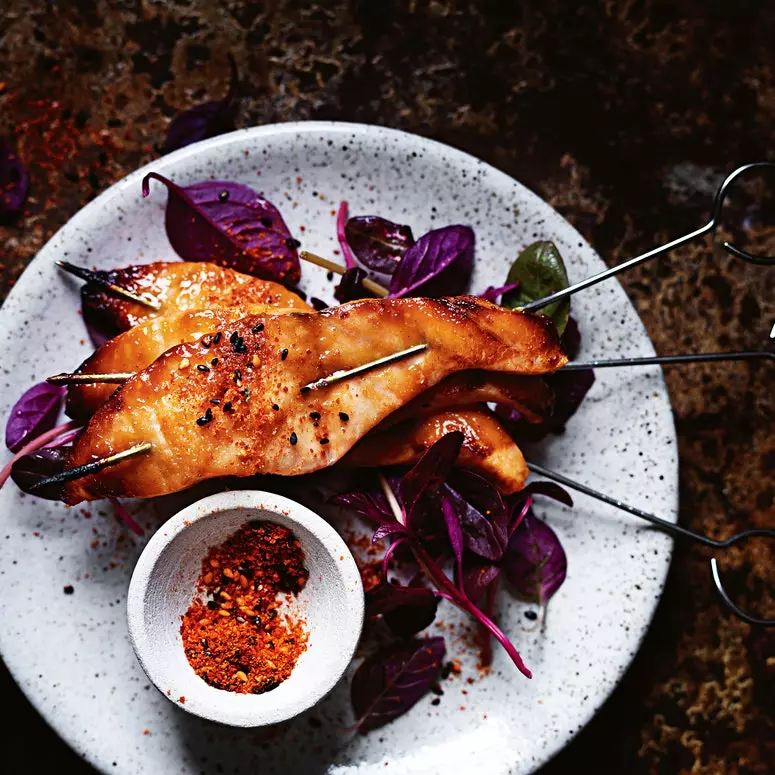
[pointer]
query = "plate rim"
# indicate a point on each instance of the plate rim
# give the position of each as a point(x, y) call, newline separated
point(300, 128)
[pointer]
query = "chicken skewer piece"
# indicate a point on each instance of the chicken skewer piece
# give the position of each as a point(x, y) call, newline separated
point(178, 286)
point(247, 415)
point(141, 345)
point(487, 448)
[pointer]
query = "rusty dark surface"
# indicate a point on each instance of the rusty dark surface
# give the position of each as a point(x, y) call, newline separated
point(623, 115)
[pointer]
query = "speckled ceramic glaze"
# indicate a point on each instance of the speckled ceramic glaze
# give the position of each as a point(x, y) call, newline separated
point(71, 653)
point(164, 581)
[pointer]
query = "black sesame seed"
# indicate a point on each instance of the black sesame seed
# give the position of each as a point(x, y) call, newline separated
point(237, 375)
point(329, 276)
point(315, 415)
point(223, 196)
point(324, 440)
point(305, 389)
point(205, 418)
point(292, 243)
point(68, 590)
point(435, 701)
point(343, 416)
point(234, 337)
point(240, 346)
point(532, 615)
point(215, 401)
point(293, 439)
point(212, 605)
point(227, 406)
point(275, 407)
point(284, 354)
point(206, 341)
point(202, 367)
point(256, 329)
point(266, 221)
point(214, 362)
point(217, 338)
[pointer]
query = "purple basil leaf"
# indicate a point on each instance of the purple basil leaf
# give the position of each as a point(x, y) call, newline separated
point(478, 574)
point(231, 225)
point(392, 681)
point(350, 287)
point(40, 464)
point(371, 508)
point(438, 264)
point(387, 529)
point(571, 338)
point(377, 243)
point(209, 119)
point(405, 609)
point(493, 294)
point(428, 473)
point(14, 180)
point(535, 562)
point(483, 514)
point(34, 413)
point(455, 533)
point(550, 490)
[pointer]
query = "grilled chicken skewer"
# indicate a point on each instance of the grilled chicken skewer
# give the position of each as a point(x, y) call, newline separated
point(178, 286)
point(261, 422)
point(487, 448)
point(137, 348)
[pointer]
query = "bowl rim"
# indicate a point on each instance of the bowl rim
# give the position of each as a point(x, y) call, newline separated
point(239, 713)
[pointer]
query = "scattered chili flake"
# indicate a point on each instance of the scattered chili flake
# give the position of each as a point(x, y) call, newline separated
point(249, 647)
point(69, 589)
point(284, 354)
point(343, 416)
point(217, 338)
point(257, 328)
point(205, 418)
point(202, 367)
point(293, 439)
point(182, 700)
point(315, 415)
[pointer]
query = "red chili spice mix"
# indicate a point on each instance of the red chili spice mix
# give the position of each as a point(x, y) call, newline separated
point(234, 635)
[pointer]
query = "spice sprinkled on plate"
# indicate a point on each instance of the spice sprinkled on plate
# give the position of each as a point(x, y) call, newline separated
point(234, 635)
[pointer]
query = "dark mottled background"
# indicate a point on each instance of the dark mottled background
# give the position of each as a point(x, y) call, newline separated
point(623, 115)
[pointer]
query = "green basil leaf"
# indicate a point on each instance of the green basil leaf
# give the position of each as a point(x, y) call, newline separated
point(540, 271)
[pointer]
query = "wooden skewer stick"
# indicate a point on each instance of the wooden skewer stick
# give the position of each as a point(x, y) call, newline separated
point(85, 379)
point(338, 376)
point(369, 285)
point(96, 465)
point(94, 277)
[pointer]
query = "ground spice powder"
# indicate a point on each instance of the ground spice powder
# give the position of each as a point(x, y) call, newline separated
point(233, 633)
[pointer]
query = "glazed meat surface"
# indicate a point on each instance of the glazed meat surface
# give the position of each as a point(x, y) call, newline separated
point(531, 396)
point(142, 344)
point(487, 448)
point(179, 286)
point(262, 422)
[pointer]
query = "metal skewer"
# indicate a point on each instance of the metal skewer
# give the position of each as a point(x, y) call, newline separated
point(675, 530)
point(81, 379)
point(96, 465)
point(338, 376)
point(709, 228)
point(94, 277)
point(663, 360)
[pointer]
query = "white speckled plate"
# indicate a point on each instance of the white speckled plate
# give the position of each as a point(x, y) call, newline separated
point(71, 653)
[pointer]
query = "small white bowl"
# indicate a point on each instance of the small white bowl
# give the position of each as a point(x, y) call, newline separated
point(164, 583)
